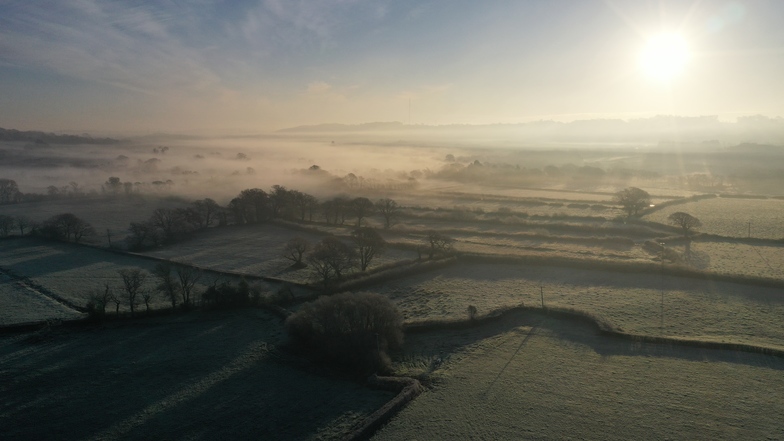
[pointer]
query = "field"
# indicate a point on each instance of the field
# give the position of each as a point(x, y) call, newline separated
point(693, 309)
point(731, 216)
point(534, 378)
point(74, 272)
point(205, 374)
point(255, 250)
point(20, 304)
point(213, 376)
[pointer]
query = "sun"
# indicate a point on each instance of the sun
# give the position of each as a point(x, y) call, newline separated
point(664, 56)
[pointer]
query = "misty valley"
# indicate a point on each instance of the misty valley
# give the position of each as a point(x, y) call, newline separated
point(391, 282)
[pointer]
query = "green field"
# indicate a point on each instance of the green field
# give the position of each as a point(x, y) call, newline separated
point(535, 378)
point(197, 376)
point(21, 304)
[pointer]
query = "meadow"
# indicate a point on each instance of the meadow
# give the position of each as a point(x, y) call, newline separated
point(693, 308)
point(531, 377)
point(21, 304)
point(732, 216)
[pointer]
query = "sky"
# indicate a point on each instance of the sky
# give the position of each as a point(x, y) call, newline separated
point(254, 66)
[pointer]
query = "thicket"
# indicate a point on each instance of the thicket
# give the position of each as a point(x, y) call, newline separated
point(351, 331)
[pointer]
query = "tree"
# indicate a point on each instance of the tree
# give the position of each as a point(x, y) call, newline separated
point(295, 249)
point(23, 222)
point(632, 200)
point(438, 243)
point(187, 276)
point(133, 279)
point(143, 235)
point(279, 198)
point(112, 185)
point(9, 191)
point(353, 330)
point(6, 224)
point(389, 210)
point(362, 208)
point(66, 226)
point(166, 283)
point(369, 244)
point(99, 300)
point(303, 203)
point(685, 221)
point(331, 258)
point(208, 210)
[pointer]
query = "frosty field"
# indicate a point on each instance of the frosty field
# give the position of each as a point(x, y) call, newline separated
point(197, 376)
point(694, 309)
point(534, 378)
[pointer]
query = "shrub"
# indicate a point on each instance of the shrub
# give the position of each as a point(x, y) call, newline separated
point(350, 330)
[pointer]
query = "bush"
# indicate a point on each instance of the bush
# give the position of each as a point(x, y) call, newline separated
point(350, 330)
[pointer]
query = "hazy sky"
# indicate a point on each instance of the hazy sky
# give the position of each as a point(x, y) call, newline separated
point(259, 65)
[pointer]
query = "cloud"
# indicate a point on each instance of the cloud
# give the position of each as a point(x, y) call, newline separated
point(318, 87)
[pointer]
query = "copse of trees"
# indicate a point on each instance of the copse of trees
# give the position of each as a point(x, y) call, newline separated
point(350, 330)
point(331, 259)
point(389, 210)
point(66, 227)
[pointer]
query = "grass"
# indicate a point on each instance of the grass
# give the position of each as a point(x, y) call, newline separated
point(534, 378)
point(696, 309)
point(75, 272)
point(20, 304)
point(199, 376)
point(255, 250)
point(730, 216)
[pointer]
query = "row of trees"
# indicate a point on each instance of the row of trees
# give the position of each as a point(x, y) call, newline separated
point(251, 206)
point(65, 227)
point(177, 283)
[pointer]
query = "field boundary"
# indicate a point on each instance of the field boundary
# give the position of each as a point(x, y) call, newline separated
point(30, 285)
point(407, 388)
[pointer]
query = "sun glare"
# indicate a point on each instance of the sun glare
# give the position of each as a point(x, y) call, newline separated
point(664, 56)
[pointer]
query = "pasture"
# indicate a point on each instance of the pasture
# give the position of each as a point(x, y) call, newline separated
point(731, 216)
point(537, 378)
point(22, 304)
point(75, 272)
point(194, 376)
point(693, 309)
point(256, 250)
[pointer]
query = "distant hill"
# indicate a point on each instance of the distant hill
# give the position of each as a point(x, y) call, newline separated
point(366, 127)
point(43, 138)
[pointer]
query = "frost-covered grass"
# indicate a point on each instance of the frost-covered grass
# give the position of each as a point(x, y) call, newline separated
point(731, 216)
point(255, 250)
point(548, 380)
point(193, 376)
point(19, 304)
point(693, 308)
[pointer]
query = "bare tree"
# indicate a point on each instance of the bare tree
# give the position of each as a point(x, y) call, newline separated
point(166, 283)
point(369, 244)
point(389, 210)
point(23, 223)
point(147, 296)
point(66, 226)
point(685, 221)
point(295, 249)
point(98, 302)
point(208, 209)
point(117, 302)
point(438, 243)
point(6, 224)
point(362, 208)
point(632, 200)
point(188, 276)
point(9, 191)
point(133, 279)
point(331, 258)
